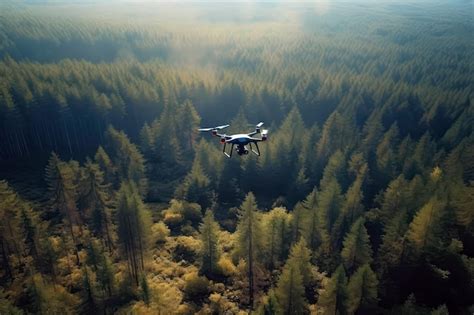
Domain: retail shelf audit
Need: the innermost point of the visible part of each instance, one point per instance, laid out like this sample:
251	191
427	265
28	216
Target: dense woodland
361	203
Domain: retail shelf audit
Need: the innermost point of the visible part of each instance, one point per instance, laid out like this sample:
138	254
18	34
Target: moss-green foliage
210	253
290	290
333	296
356	248
362	290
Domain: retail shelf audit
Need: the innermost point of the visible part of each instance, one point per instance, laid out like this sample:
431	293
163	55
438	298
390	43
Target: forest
112	202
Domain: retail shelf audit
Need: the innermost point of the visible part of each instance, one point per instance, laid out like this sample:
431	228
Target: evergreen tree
362	291
276	225
188	122
103	160
337	134
386	157
145	290
290	290
127	159
269	305
29	226
312	231
9	229
88	304
95	202
297	216
209	230
393	243
334	169
394	198
463	203
62	193
196	187
330	203
333	296
356	250
133	222
249	240
424	229
105	275
300	256
351	209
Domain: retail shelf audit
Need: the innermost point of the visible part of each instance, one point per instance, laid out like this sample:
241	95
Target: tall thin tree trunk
250	270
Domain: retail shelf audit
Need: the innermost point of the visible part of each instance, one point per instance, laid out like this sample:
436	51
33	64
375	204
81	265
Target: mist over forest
112	201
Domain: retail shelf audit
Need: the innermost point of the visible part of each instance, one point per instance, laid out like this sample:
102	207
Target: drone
240	140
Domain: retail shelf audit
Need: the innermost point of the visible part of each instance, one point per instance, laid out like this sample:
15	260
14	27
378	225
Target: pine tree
290	290
210	254
95	202
351	210
188	121
133	222
62	193
334	169
127	159
276	225
394	198
9	228
147	141
333	296
195	187
105	275
330	203
145	290
356	250
423	153
249	240
312	230
88	303
269	305
463	203
424	229
393	243
29	228
103	160
300	256
297	222
167	142
386	157
337	134
362	289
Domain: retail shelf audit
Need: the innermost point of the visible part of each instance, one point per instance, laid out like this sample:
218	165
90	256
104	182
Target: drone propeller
260	124
214	128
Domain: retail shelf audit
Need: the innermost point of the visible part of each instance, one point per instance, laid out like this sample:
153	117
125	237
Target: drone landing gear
256	146
231	150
